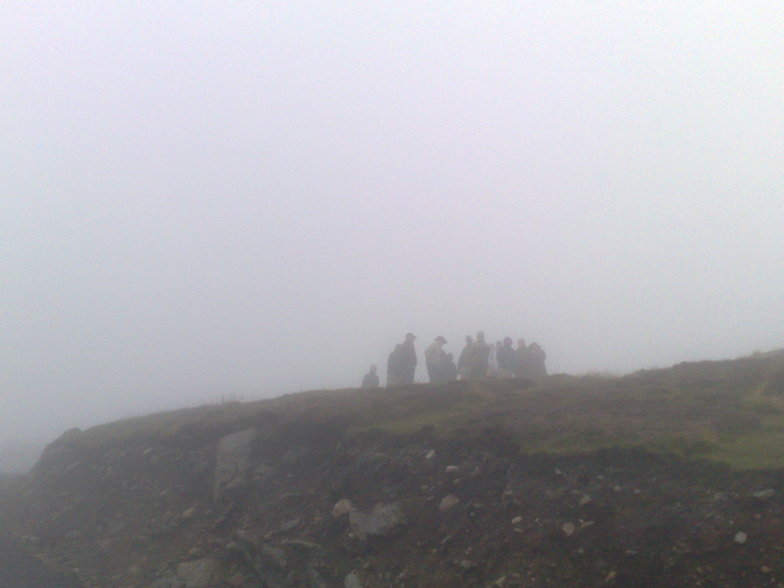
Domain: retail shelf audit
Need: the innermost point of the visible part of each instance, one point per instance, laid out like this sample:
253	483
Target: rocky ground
303	498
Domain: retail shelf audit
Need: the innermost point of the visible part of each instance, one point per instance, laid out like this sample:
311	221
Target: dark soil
129	504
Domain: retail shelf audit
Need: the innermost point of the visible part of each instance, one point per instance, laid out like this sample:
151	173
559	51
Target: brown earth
468	484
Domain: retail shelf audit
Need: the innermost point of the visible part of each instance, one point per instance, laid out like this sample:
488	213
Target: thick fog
206	200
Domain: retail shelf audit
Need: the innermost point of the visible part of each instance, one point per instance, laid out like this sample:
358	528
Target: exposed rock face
233	461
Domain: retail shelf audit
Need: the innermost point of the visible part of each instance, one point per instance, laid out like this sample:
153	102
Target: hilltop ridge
661	477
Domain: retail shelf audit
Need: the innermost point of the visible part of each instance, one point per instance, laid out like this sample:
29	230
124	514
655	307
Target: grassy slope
730	411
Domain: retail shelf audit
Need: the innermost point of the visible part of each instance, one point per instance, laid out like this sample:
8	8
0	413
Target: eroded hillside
664	477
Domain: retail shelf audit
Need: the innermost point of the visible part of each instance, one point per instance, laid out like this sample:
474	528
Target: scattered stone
290	524
196	553
448	502
275	555
616	488
380	521
517	520
189	513
352	581
452	469
568	529
201	573
342	507
447	539
769	493
741	537
765	570
584	499
430	454
301	543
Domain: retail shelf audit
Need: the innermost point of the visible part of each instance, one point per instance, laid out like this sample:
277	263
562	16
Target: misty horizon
247	200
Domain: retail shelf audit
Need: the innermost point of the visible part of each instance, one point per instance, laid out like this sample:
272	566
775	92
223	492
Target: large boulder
233	464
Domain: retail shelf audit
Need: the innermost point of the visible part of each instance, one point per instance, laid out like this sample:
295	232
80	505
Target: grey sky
215	198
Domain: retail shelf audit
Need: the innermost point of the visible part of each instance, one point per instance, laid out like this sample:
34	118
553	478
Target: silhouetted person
401	364
538	357
478	357
492	361
371	378
462	361
522	360
435	360
408	361
450	369
507	358
393	366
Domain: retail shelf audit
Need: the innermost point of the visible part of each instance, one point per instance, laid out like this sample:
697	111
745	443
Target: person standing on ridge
435	360
478	357
522	360
408	360
371	378
538	357
463	369
507	359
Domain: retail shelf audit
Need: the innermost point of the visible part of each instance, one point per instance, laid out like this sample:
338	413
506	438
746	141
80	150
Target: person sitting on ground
371	378
435	360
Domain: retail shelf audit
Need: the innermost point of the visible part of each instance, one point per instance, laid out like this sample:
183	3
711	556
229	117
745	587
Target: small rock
616	488
380	521
196	553
275	555
303	545
765	570
448	502
290	524
189	513
584	499
770	492
342	507
352	581
517	520
452	469
430	454
466	564
610	577
201	573
741	537
568	529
